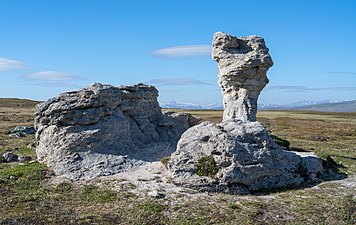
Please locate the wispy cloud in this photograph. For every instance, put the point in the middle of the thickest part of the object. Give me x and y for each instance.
(305, 89)
(342, 72)
(42, 78)
(51, 75)
(177, 82)
(10, 64)
(52, 78)
(183, 51)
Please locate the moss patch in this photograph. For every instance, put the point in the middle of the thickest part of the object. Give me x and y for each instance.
(165, 160)
(206, 166)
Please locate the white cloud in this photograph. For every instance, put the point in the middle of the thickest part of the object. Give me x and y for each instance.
(51, 76)
(9, 64)
(183, 51)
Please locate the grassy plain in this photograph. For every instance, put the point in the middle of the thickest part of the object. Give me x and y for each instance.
(29, 199)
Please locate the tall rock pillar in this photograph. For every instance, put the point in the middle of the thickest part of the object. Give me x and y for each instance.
(243, 64)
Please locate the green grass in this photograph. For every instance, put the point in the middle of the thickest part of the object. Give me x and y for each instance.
(24, 171)
(152, 207)
(95, 194)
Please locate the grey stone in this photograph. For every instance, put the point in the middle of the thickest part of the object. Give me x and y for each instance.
(24, 129)
(246, 158)
(24, 158)
(10, 157)
(18, 135)
(155, 194)
(102, 130)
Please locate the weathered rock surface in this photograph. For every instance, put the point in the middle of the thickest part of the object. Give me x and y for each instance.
(102, 130)
(243, 64)
(238, 155)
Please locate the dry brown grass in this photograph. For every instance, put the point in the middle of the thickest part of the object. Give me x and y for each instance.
(15, 112)
(28, 201)
(207, 115)
(17, 103)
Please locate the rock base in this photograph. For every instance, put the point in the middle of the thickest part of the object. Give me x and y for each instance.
(246, 158)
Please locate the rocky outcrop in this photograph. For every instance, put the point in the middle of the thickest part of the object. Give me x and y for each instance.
(102, 130)
(243, 64)
(238, 155)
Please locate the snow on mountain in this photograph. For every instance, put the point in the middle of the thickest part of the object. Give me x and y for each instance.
(262, 106)
(295, 104)
(190, 105)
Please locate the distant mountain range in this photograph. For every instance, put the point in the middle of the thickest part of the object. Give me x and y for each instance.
(189, 105)
(345, 106)
(326, 106)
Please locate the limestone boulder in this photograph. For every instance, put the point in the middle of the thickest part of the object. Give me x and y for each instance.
(102, 130)
(246, 158)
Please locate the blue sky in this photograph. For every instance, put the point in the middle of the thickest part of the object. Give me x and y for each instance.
(48, 47)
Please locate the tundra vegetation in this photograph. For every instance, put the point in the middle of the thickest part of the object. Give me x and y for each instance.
(26, 196)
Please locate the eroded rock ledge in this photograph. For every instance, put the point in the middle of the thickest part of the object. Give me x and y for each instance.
(102, 130)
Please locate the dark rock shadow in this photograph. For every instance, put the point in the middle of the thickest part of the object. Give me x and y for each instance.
(153, 153)
(294, 149)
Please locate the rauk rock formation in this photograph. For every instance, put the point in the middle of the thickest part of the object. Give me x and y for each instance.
(102, 130)
(243, 64)
(238, 155)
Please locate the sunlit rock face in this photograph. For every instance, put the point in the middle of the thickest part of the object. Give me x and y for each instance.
(238, 155)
